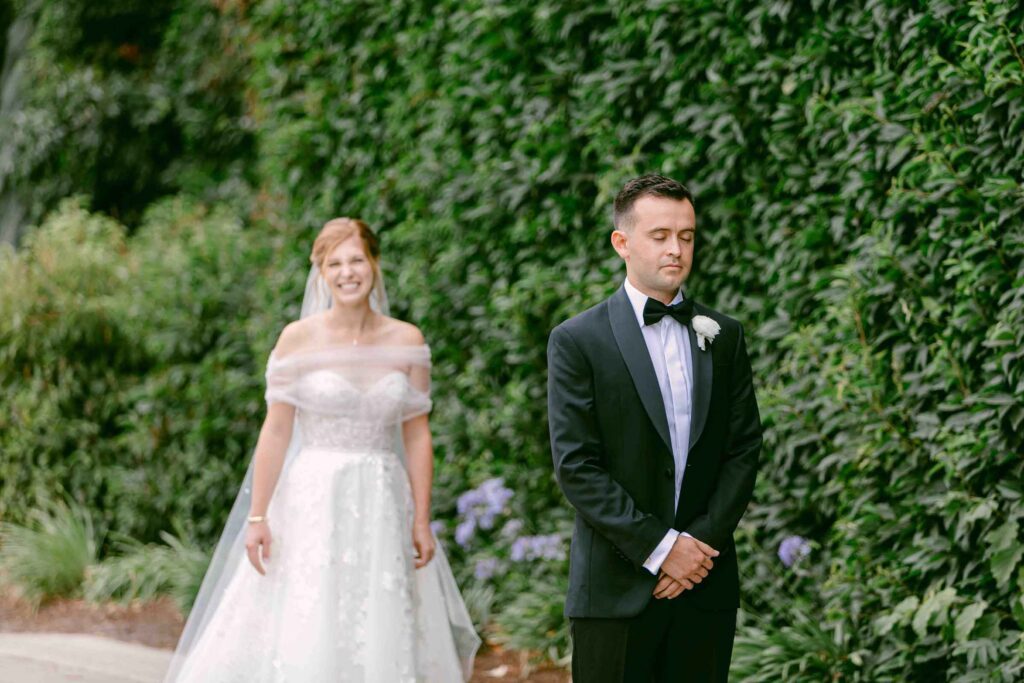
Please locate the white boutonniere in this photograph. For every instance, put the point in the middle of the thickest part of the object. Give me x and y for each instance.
(706, 329)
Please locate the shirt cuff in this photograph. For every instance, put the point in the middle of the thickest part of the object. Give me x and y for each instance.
(653, 563)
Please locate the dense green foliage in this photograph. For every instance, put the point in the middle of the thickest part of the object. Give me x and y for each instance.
(128, 366)
(117, 104)
(857, 170)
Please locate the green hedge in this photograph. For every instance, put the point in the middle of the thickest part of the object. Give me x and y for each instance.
(857, 170)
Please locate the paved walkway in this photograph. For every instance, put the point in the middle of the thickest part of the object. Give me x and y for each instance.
(62, 657)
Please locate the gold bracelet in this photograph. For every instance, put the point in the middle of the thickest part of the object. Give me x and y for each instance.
(252, 519)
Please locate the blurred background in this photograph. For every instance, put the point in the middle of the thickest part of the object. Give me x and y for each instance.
(857, 168)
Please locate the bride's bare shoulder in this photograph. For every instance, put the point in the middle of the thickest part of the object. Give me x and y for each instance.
(295, 335)
(401, 333)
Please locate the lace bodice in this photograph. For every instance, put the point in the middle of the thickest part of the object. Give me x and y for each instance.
(352, 398)
(352, 418)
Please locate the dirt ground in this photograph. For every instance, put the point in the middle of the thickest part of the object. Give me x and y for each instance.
(158, 624)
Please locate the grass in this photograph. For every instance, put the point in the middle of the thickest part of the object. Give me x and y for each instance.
(49, 556)
(145, 571)
(55, 555)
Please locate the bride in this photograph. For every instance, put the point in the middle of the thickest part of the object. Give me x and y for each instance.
(351, 585)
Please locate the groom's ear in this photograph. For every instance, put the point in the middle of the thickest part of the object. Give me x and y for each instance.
(620, 242)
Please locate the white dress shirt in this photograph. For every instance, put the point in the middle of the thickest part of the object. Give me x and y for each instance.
(668, 344)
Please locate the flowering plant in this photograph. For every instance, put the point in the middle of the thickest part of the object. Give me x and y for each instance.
(792, 549)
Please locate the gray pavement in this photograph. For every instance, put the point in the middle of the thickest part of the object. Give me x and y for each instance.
(62, 657)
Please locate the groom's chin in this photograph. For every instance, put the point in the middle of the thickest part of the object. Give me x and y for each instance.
(672, 279)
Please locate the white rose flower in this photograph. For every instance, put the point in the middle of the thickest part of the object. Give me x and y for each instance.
(705, 328)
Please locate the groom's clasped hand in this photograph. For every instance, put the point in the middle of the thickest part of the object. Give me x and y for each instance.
(687, 564)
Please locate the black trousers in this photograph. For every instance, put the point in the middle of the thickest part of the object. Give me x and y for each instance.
(668, 642)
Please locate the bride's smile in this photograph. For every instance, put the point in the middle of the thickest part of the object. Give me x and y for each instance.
(351, 272)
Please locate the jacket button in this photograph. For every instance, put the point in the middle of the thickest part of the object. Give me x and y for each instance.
(668, 472)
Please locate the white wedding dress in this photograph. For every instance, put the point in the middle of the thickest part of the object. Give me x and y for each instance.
(341, 599)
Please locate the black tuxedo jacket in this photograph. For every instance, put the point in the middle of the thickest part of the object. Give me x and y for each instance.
(612, 457)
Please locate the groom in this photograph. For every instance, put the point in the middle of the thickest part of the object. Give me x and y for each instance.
(655, 436)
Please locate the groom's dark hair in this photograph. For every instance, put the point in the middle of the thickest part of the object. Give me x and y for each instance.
(650, 184)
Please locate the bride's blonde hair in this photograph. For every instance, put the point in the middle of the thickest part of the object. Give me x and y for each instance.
(336, 231)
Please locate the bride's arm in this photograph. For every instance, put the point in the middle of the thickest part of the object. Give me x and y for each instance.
(419, 452)
(275, 433)
(271, 446)
(267, 461)
(273, 441)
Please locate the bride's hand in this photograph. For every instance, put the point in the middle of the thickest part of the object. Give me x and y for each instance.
(257, 536)
(424, 542)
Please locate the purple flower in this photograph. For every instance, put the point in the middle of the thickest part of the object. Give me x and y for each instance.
(480, 507)
(464, 532)
(437, 526)
(485, 568)
(519, 547)
(527, 548)
(793, 548)
(512, 528)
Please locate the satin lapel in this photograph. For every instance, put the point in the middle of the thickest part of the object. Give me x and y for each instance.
(633, 348)
(701, 387)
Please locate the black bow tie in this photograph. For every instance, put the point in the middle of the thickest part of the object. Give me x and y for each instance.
(654, 311)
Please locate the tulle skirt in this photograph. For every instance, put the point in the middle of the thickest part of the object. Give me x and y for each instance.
(341, 599)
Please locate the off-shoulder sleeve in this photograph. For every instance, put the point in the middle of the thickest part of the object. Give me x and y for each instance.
(417, 398)
(281, 382)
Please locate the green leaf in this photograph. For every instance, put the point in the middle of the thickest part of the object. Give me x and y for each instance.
(934, 607)
(899, 615)
(966, 619)
(1003, 536)
(1004, 562)
(1018, 610)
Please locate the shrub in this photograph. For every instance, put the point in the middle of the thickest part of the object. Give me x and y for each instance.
(137, 571)
(48, 556)
(133, 366)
